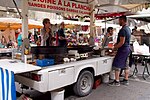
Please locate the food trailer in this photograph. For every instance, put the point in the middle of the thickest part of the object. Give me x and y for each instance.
(78, 72)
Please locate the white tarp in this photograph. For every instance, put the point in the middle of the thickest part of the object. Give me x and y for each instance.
(17, 66)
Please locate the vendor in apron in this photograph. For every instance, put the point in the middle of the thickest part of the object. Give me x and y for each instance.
(123, 50)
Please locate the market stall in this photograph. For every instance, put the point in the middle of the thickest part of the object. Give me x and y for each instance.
(79, 70)
(144, 29)
(8, 39)
(64, 6)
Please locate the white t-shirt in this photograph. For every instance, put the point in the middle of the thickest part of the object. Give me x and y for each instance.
(132, 39)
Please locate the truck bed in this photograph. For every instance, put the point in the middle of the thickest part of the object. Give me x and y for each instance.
(61, 75)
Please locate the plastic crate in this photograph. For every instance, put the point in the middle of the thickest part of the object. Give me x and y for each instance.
(44, 62)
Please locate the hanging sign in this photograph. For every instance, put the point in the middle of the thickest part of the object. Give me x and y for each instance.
(60, 6)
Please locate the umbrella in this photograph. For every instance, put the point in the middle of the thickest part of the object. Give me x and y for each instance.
(16, 23)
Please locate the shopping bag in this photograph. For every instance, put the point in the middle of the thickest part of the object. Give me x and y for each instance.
(7, 85)
(136, 46)
(140, 49)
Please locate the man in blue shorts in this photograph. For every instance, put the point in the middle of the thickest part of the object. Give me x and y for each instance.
(123, 50)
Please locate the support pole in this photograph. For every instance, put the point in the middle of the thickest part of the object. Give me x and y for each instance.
(24, 13)
(92, 33)
(92, 20)
(105, 27)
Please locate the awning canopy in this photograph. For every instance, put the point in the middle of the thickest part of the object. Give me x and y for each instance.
(109, 15)
(133, 8)
(103, 8)
(16, 23)
(111, 10)
(141, 17)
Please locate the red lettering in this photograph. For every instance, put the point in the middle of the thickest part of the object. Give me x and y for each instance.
(83, 12)
(73, 5)
(48, 6)
(46, 1)
(72, 10)
(60, 2)
(67, 4)
(42, 0)
(37, 5)
(50, 1)
(54, 2)
(55, 8)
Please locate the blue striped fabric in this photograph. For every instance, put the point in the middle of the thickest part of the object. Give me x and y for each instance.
(7, 85)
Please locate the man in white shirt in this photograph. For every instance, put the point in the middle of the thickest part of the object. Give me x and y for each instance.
(132, 37)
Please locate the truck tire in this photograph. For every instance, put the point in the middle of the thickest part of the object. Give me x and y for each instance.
(84, 84)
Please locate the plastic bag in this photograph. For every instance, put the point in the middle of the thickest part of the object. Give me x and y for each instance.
(136, 46)
(145, 49)
(141, 49)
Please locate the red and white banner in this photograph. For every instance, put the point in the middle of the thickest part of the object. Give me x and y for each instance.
(60, 6)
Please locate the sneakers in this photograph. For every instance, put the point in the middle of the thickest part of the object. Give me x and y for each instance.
(124, 82)
(114, 83)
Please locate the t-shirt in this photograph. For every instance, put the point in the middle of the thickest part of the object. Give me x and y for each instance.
(46, 39)
(61, 33)
(19, 39)
(132, 39)
(124, 32)
(107, 39)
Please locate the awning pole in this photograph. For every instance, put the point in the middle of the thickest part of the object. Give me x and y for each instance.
(105, 27)
(92, 21)
(24, 13)
(92, 34)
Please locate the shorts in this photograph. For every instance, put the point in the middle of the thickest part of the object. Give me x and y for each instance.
(118, 69)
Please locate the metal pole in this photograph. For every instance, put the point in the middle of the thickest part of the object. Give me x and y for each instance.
(24, 13)
(92, 21)
(92, 34)
(105, 27)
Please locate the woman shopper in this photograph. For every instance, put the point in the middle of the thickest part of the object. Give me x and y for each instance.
(46, 36)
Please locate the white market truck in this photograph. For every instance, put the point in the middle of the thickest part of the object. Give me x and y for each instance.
(79, 73)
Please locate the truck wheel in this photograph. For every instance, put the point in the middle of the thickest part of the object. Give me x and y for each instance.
(84, 84)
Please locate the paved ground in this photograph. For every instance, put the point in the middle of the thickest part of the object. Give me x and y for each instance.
(135, 91)
(138, 89)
